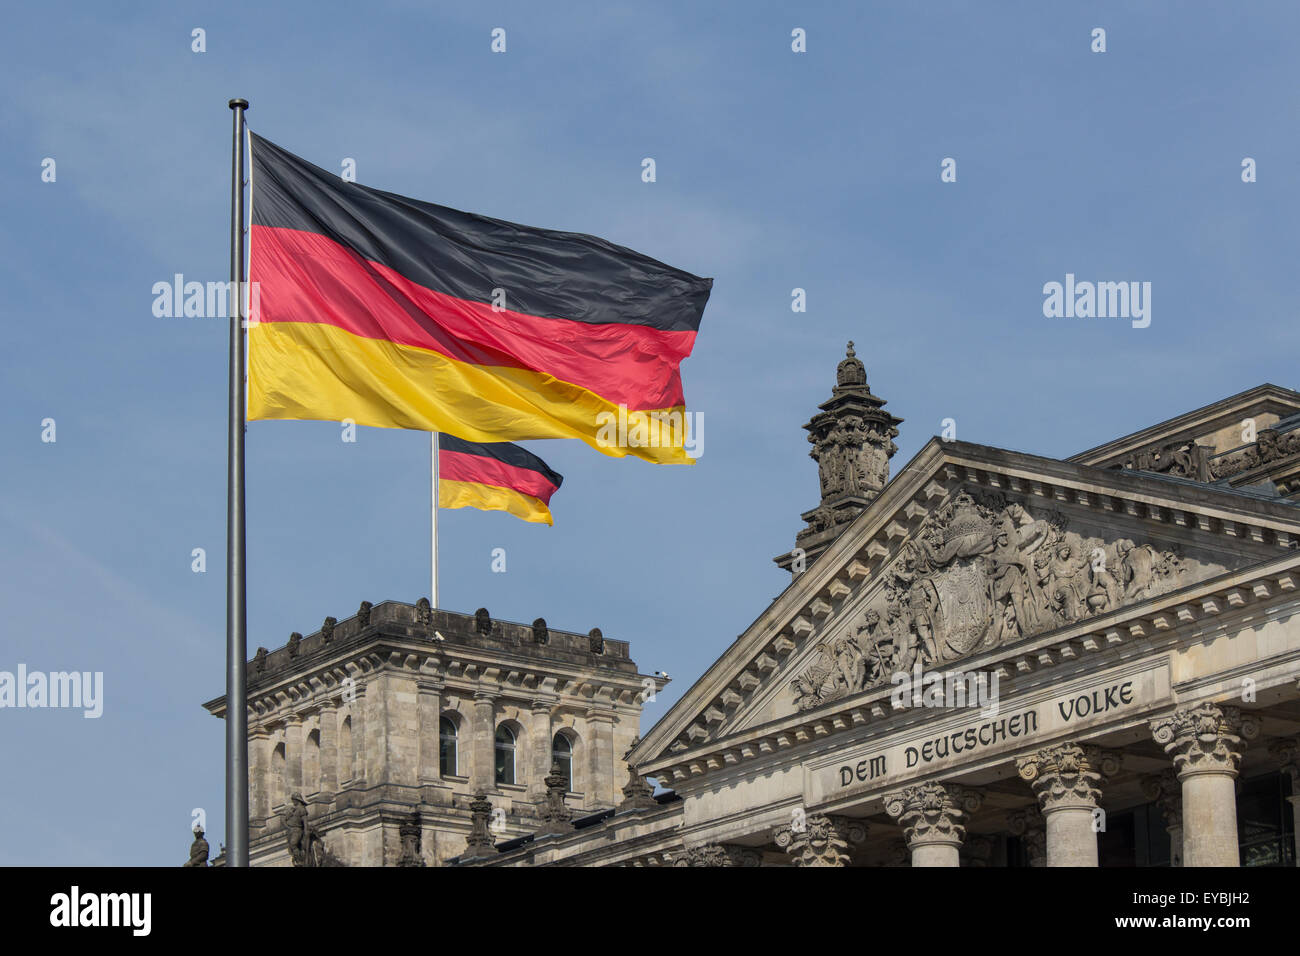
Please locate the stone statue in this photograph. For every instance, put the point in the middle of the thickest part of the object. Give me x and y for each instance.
(306, 848)
(198, 850)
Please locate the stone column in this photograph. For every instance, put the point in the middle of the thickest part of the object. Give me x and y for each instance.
(1067, 780)
(1205, 742)
(293, 751)
(930, 815)
(820, 839)
(1165, 790)
(374, 707)
(1289, 752)
(329, 748)
(539, 746)
(402, 739)
(600, 786)
(430, 715)
(483, 743)
(1028, 825)
(259, 784)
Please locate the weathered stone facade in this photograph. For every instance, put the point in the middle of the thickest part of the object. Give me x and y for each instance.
(985, 661)
(387, 724)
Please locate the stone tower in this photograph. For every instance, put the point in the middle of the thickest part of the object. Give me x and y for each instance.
(392, 729)
(852, 438)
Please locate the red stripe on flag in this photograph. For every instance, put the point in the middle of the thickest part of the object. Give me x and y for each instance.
(458, 466)
(306, 277)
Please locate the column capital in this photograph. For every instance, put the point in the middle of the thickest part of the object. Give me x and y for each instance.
(820, 839)
(1287, 750)
(1165, 790)
(1206, 738)
(1030, 827)
(717, 854)
(933, 812)
(542, 705)
(1068, 776)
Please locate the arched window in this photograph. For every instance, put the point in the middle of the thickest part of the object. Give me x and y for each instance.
(505, 755)
(562, 757)
(447, 747)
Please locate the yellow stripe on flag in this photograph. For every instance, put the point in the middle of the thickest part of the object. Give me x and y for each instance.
(301, 370)
(468, 494)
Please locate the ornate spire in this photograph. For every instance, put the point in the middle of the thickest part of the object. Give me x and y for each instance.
(556, 817)
(852, 438)
(479, 843)
(851, 371)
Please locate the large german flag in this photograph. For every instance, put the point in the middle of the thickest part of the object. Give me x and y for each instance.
(496, 476)
(403, 314)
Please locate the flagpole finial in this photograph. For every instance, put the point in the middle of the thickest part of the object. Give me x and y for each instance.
(238, 104)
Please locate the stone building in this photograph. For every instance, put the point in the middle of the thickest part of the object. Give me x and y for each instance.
(404, 710)
(989, 659)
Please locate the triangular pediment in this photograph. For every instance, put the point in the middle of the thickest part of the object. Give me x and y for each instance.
(1223, 429)
(968, 549)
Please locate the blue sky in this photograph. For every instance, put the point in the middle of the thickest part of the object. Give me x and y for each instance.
(775, 170)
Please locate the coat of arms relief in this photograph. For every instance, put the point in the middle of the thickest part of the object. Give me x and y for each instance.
(980, 572)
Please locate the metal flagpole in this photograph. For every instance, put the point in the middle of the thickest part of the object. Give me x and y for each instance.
(433, 525)
(236, 587)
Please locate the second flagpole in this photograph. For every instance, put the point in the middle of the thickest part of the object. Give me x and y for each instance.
(433, 522)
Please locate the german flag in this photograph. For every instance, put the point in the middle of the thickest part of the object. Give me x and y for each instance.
(402, 314)
(496, 476)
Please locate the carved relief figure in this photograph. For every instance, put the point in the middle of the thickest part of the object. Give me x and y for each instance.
(979, 572)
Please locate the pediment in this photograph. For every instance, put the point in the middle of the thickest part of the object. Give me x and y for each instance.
(1220, 432)
(969, 549)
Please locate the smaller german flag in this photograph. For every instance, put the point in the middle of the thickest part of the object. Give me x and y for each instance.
(494, 476)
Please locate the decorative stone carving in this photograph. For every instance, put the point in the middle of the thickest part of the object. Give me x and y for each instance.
(259, 660)
(412, 834)
(596, 641)
(1206, 738)
(363, 613)
(1164, 790)
(294, 640)
(979, 572)
(423, 613)
(1068, 775)
(482, 621)
(852, 438)
(479, 843)
(1028, 825)
(555, 815)
(932, 812)
(1287, 750)
(715, 854)
(541, 635)
(198, 850)
(1270, 446)
(1181, 459)
(822, 840)
(306, 847)
(327, 629)
(637, 792)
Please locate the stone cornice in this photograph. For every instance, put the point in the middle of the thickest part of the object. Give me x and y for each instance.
(1265, 585)
(461, 670)
(875, 539)
(1229, 411)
